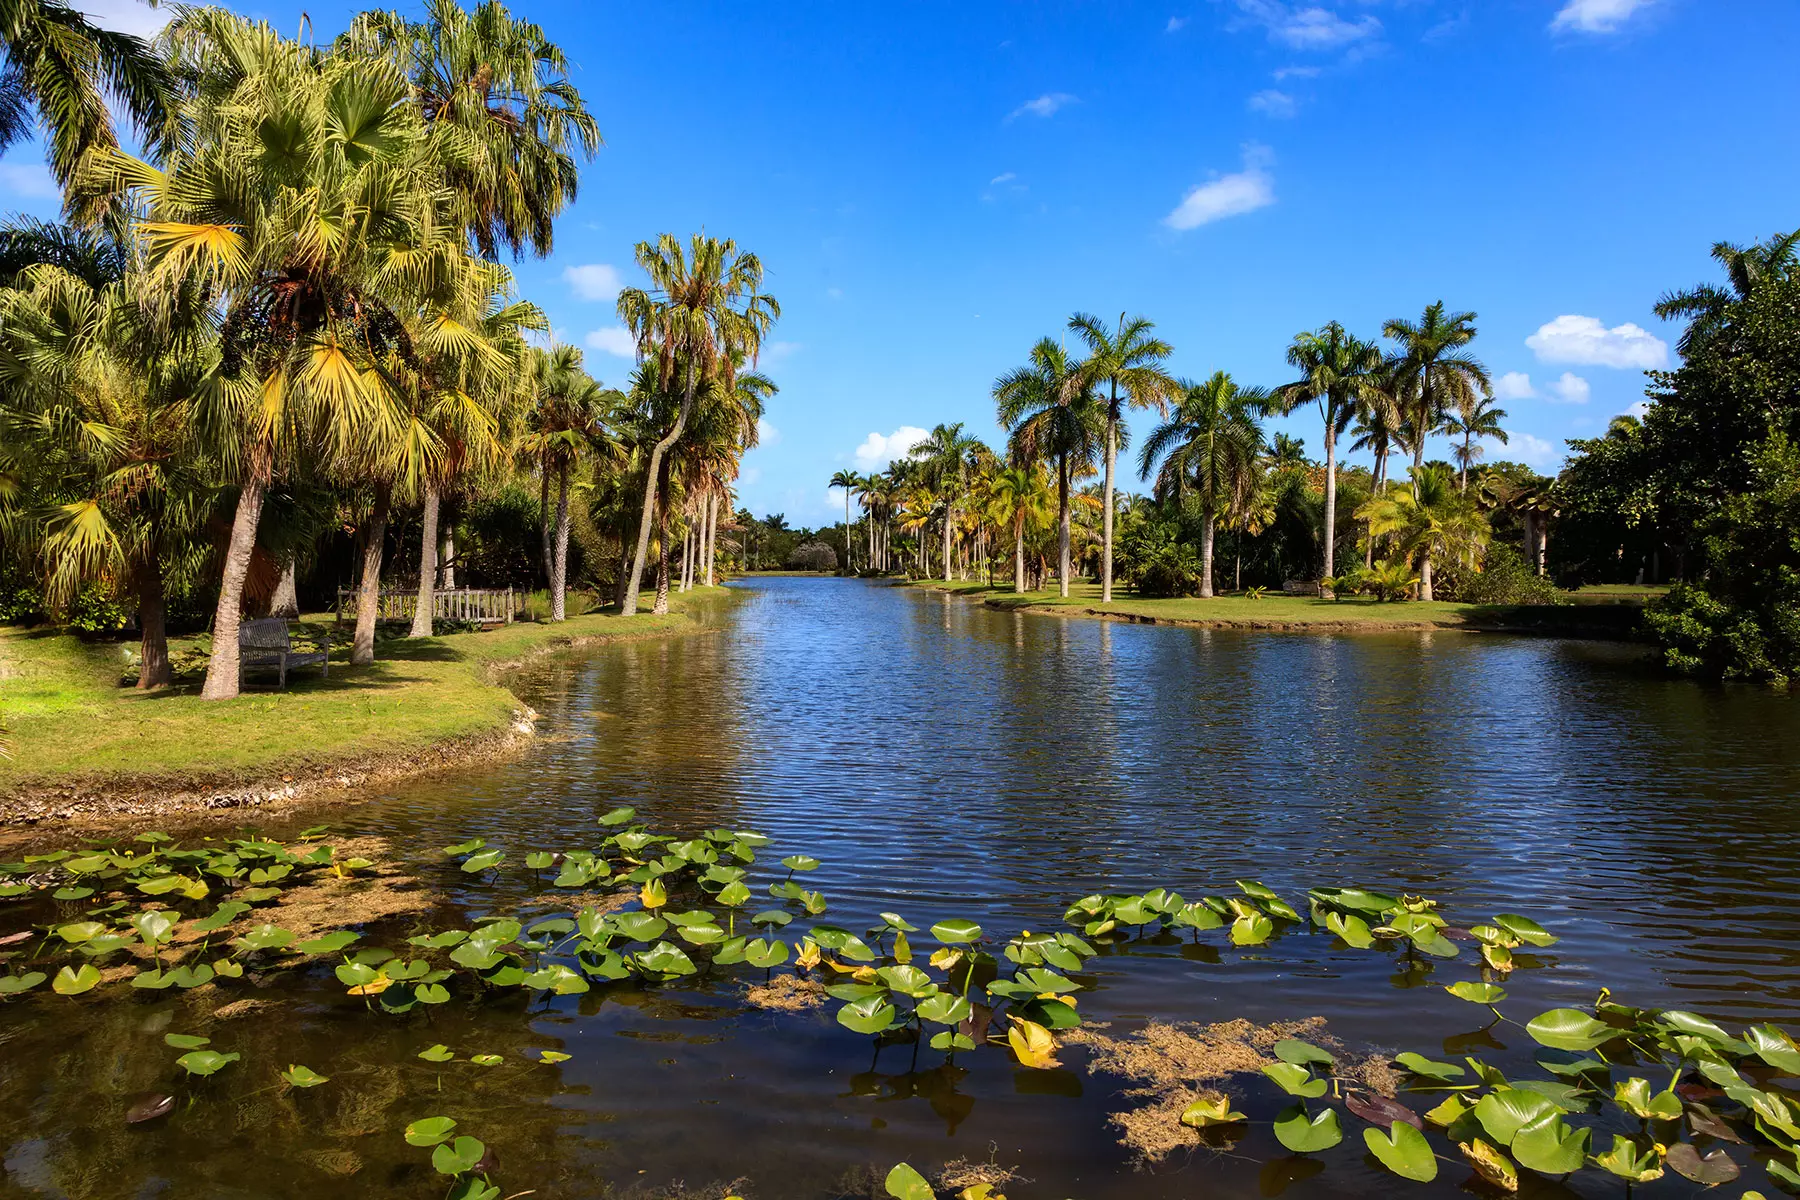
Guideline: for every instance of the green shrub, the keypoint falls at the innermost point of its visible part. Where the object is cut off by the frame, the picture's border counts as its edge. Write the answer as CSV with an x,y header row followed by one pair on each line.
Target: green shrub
x,y
1504,578
93,612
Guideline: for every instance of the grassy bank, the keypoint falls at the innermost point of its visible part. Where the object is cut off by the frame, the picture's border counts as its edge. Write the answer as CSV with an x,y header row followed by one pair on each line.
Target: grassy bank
x,y
1307,612
73,727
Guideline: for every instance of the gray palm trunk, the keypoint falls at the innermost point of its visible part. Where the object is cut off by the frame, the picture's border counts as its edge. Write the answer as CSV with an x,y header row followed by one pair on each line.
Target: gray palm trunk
x,y
1206,557
1019,552
153,641
544,519
1425,592
1106,518
712,534
447,555
661,605
628,606
428,544
559,562
287,594
1062,524
222,664
849,567
949,518
1330,497
368,594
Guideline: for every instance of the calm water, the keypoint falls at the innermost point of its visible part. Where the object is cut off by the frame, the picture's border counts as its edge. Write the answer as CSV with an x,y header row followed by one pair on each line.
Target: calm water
x,y
946,759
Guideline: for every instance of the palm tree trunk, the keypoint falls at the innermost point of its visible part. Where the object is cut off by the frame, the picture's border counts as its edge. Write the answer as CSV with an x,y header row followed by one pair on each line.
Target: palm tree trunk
x,y
447,555
1062,523
1425,592
1106,518
222,664
661,604
949,516
1206,557
1330,495
544,519
849,567
712,535
153,640
287,598
428,545
368,595
559,566
628,606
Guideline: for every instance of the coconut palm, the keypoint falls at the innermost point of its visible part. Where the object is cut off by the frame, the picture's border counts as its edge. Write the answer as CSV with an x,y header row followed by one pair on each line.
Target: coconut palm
x,y
1432,371
1379,430
505,121
1129,362
703,314
318,233
1480,419
1206,454
1428,521
567,419
851,482
1053,414
1019,496
947,455
1338,371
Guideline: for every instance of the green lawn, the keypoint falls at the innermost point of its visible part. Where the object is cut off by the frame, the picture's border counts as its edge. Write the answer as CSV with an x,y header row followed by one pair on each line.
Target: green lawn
x,y
70,721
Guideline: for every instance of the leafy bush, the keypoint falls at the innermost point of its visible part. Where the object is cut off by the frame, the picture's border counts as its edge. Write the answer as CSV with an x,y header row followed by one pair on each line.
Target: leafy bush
x,y
812,556
1504,578
21,605
93,611
1156,563
1391,580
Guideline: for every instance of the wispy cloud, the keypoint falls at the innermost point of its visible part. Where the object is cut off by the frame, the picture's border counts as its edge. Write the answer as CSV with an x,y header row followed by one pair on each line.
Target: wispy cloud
x,y
1273,103
1310,26
1285,73
766,433
1003,177
1175,24
1586,341
1514,385
1229,195
1535,451
614,339
1596,16
593,281
780,351
1045,105
126,16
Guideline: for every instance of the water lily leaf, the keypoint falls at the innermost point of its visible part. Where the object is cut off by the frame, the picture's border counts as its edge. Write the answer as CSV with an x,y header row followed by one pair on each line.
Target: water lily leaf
x,y
870,1014
945,1008
468,847
904,1183
618,816
1550,1146
702,935
1504,1112
153,980
908,981
552,1056
224,968
1774,1047
1630,1163
1714,1169
765,954
773,917
221,916
539,860
956,931
437,1054
303,1077
476,863
665,958
1491,1164
12,985
258,895
1295,1080
266,937
1449,1112
1351,928
1425,1068
72,982
1381,1111
1252,929
1293,1050
1636,1098
487,1060
1308,1133
458,1157
1525,930
329,943
1198,916
639,926
432,993
1704,1121
557,979
1204,1114
1700,1027
185,1041
1569,1029
205,1062
1404,1151
78,932
952,1040
1033,1044
1477,993
1372,904
72,893
1497,957
734,894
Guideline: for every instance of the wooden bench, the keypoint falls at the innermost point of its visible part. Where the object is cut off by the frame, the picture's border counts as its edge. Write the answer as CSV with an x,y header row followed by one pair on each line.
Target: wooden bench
x,y
1302,587
266,642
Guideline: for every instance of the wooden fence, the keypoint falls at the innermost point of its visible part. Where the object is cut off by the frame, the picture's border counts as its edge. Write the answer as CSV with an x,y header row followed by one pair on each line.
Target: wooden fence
x,y
481,606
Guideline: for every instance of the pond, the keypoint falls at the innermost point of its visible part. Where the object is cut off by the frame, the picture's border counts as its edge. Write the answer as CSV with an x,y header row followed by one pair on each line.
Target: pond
x,y
942,759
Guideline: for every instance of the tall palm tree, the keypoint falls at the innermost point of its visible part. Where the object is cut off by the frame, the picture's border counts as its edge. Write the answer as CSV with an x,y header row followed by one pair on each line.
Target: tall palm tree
x,y
317,232
505,121
1054,415
568,417
1704,306
57,62
946,453
1433,370
1127,360
1379,429
703,313
1472,423
1019,496
1208,451
1338,371
1428,521
850,481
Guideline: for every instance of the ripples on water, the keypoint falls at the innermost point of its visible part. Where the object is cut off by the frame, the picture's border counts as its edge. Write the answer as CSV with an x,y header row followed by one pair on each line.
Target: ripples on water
x,y
947,759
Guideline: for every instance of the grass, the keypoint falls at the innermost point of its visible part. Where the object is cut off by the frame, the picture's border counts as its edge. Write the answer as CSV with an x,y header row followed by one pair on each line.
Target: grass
x,y
71,723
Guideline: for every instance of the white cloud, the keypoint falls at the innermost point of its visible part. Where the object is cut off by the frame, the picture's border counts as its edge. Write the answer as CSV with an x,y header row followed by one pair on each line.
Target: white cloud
x,y
125,16
1586,341
778,351
1570,389
1044,106
878,450
1273,103
766,433
1639,409
1174,24
1595,16
1003,177
28,181
1310,27
1535,451
593,281
1227,196
614,339
1514,385
1285,73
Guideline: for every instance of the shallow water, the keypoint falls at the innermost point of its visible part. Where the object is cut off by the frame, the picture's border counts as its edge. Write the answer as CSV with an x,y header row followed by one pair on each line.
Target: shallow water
x,y
946,759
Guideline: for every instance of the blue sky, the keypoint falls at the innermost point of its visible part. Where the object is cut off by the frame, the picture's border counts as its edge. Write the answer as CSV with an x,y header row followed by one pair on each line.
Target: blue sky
x,y
934,186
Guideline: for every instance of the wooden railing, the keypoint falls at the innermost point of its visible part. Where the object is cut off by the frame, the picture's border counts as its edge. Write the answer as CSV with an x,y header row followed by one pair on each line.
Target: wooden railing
x,y
481,606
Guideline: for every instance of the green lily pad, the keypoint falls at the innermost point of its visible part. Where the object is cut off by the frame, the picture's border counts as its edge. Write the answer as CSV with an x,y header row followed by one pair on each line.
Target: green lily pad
x,y
1404,1151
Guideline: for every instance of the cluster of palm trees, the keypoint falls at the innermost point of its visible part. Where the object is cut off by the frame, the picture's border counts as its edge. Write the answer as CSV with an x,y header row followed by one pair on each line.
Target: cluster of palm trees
x,y
1208,455
289,314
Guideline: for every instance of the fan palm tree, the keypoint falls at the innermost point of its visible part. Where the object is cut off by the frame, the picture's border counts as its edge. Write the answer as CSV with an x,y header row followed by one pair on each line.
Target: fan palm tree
x,y
567,419
946,454
1428,521
1127,360
1053,415
1206,454
850,481
1432,370
703,314
505,121
301,191
1338,371
1478,420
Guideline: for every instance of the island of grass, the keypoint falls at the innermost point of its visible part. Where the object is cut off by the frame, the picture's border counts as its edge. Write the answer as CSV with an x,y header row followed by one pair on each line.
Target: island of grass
x,y
1616,617
84,745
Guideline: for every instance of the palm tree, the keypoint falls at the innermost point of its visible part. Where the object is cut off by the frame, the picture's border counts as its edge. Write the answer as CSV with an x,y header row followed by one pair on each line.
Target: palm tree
x,y
703,314
850,481
57,62
569,417
1432,372
1481,419
505,121
1208,450
316,256
946,454
1379,429
1429,520
1130,359
1053,415
1338,371
1705,306
1019,495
